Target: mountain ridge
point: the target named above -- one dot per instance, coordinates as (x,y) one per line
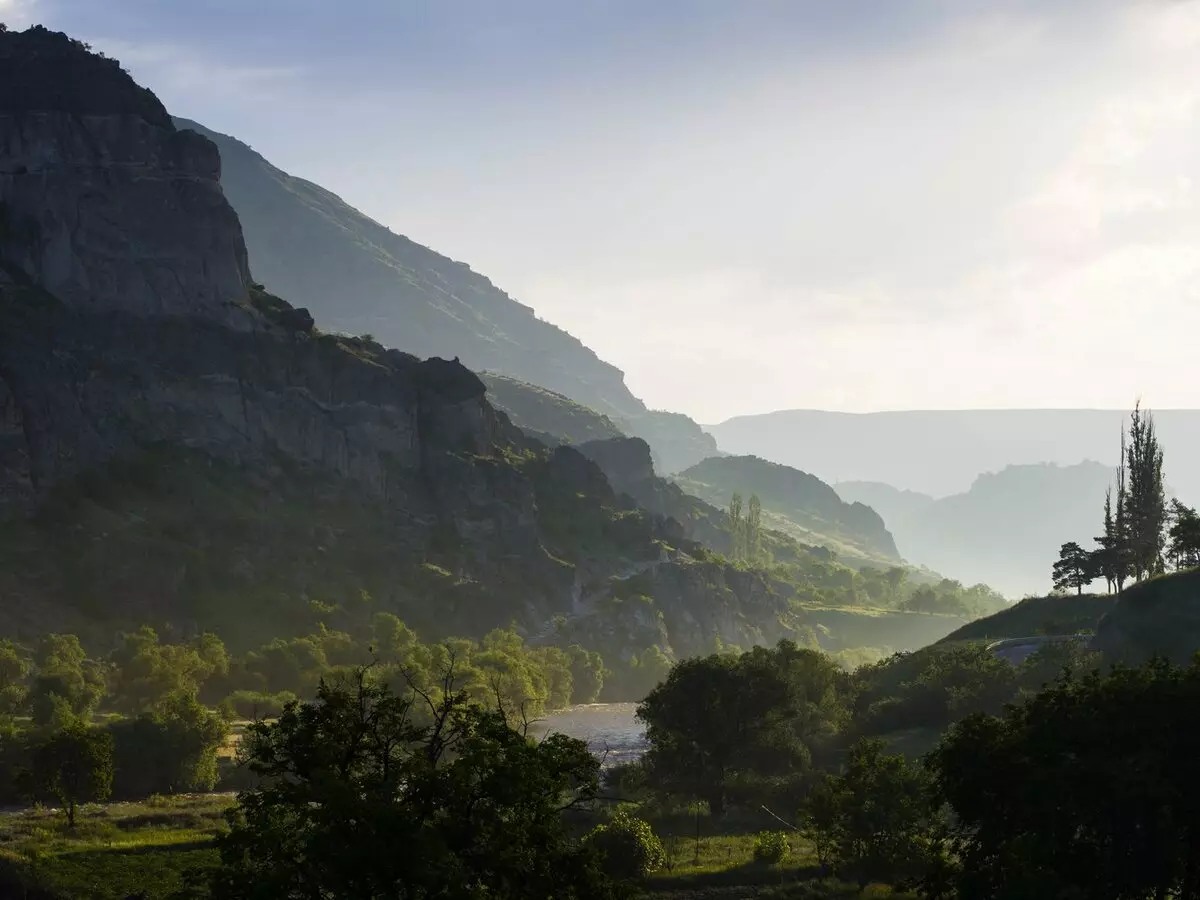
(358,276)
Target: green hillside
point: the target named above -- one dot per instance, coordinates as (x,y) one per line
(795,502)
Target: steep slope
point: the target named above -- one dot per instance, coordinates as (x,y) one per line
(1158,616)
(356,276)
(893,504)
(180,448)
(550,417)
(807,506)
(941,452)
(1006,530)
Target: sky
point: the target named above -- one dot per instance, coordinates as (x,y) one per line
(750,205)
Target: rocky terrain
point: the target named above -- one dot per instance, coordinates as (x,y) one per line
(180,447)
(357,276)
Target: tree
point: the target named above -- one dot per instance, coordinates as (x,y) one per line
(1184,535)
(14,668)
(753,538)
(475,805)
(145,672)
(875,820)
(587,674)
(75,765)
(737,526)
(722,719)
(1145,507)
(1090,788)
(67,684)
(1075,568)
(169,750)
(1105,558)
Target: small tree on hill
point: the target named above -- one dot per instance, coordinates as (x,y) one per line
(1184,536)
(1074,569)
(75,765)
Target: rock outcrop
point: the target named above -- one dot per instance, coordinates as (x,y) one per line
(179,447)
(104,204)
(357,276)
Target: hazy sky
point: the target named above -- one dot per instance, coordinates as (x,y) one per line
(750,205)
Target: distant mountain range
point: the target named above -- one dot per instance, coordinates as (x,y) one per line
(1004,531)
(356,276)
(942,452)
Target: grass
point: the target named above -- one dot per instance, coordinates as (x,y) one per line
(115,850)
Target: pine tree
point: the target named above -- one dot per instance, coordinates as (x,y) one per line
(1073,569)
(1185,536)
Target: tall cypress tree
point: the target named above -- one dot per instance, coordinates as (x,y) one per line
(754,529)
(1120,527)
(1146,505)
(737,527)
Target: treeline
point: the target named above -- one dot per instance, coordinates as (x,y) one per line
(825,582)
(367,767)
(153,715)
(1143,535)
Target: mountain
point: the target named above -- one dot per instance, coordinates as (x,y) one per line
(893,504)
(550,417)
(181,448)
(356,276)
(1005,530)
(941,452)
(803,504)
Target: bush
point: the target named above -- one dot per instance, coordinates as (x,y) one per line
(627,847)
(771,847)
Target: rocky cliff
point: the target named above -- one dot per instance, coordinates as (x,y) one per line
(357,276)
(179,447)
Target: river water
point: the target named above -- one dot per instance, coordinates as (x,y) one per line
(610,729)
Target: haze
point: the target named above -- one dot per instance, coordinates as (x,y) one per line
(750,206)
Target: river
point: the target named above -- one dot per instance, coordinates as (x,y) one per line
(610,729)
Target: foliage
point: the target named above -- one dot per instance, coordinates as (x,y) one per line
(875,820)
(1089,788)
(723,719)
(627,847)
(1076,568)
(771,846)
(167,751)
(348,778)
(145,672)
(66,684)
(75,765)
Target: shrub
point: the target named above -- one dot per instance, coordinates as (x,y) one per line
(771,846)
(627,847)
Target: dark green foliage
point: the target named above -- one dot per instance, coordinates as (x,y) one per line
(1089,789)
(724,720)
(351,778)
(74,765)
(172,750)
(1076,568)
(626,846)
(1184,534)
(875,820)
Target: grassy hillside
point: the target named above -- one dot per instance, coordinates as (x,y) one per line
(1160,615)
(1068,614)
(794,502)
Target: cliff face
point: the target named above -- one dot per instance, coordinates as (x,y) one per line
(357,276)
(102,202)
(181,448)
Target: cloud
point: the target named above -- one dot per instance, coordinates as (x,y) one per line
(17,13)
